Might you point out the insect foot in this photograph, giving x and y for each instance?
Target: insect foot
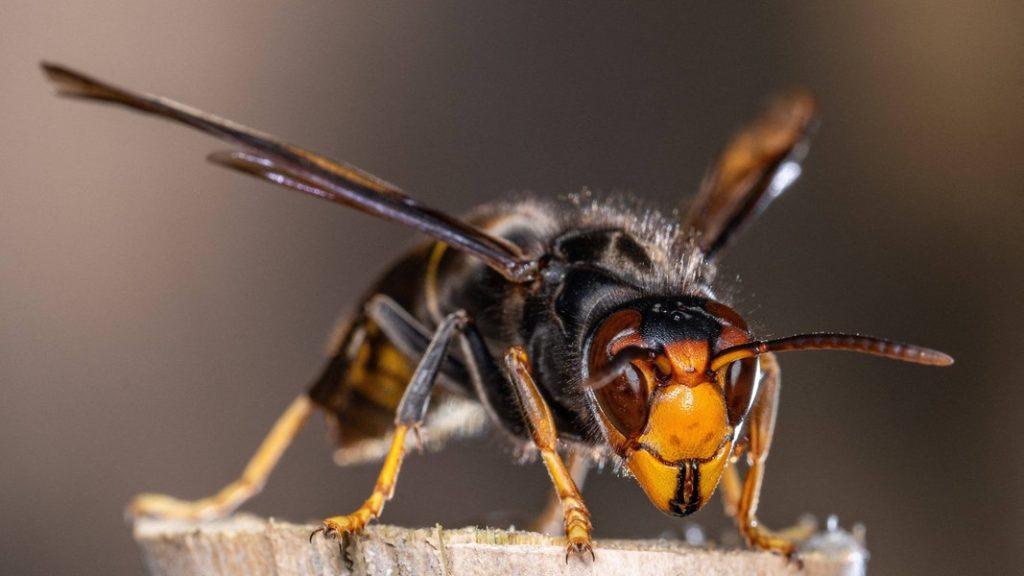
(578, 550)
(577, 529)
(335, 526)
(764, 539)
(795, 560)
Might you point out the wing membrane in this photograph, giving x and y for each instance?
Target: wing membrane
(308, 172)
(757, 165)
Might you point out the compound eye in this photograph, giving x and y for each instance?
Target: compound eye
(624, 401)
(742, 381)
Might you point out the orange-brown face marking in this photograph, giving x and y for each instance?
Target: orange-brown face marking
(731, 336)
(686, 422)
(689, 360)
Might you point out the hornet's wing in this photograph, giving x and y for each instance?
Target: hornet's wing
(292, 167)
(757, 165)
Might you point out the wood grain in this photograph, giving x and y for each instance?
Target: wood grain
(246, 544)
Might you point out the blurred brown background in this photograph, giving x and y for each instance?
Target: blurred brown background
(157, 313)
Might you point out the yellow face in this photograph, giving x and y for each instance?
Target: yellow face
(666, 415)
(678, 488)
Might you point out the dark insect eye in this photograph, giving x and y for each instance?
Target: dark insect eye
(624, 401)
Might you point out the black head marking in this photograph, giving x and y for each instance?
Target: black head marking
(671, 320)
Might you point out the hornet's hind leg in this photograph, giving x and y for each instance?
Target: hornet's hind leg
(262, 463)
(246, 486)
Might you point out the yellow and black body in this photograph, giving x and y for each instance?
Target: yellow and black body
(584, 326)
(599, 262)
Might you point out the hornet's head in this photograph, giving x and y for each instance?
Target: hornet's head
(664, 411)
(672, 381)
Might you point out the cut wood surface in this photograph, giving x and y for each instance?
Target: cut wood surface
(246, 544)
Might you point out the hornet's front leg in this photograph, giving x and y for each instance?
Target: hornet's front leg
(550, 520)
(542, 429)
(741, 500)
(411, 411)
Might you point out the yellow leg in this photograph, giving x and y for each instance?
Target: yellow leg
(732, 489)
(248, 485)
(410, 414)
(550, 520)
(741, 500)
(382, 492)
(545, 437)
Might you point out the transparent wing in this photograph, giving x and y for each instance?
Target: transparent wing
(757, 165)
(293, 167)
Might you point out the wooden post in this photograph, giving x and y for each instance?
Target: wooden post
(247, 544)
